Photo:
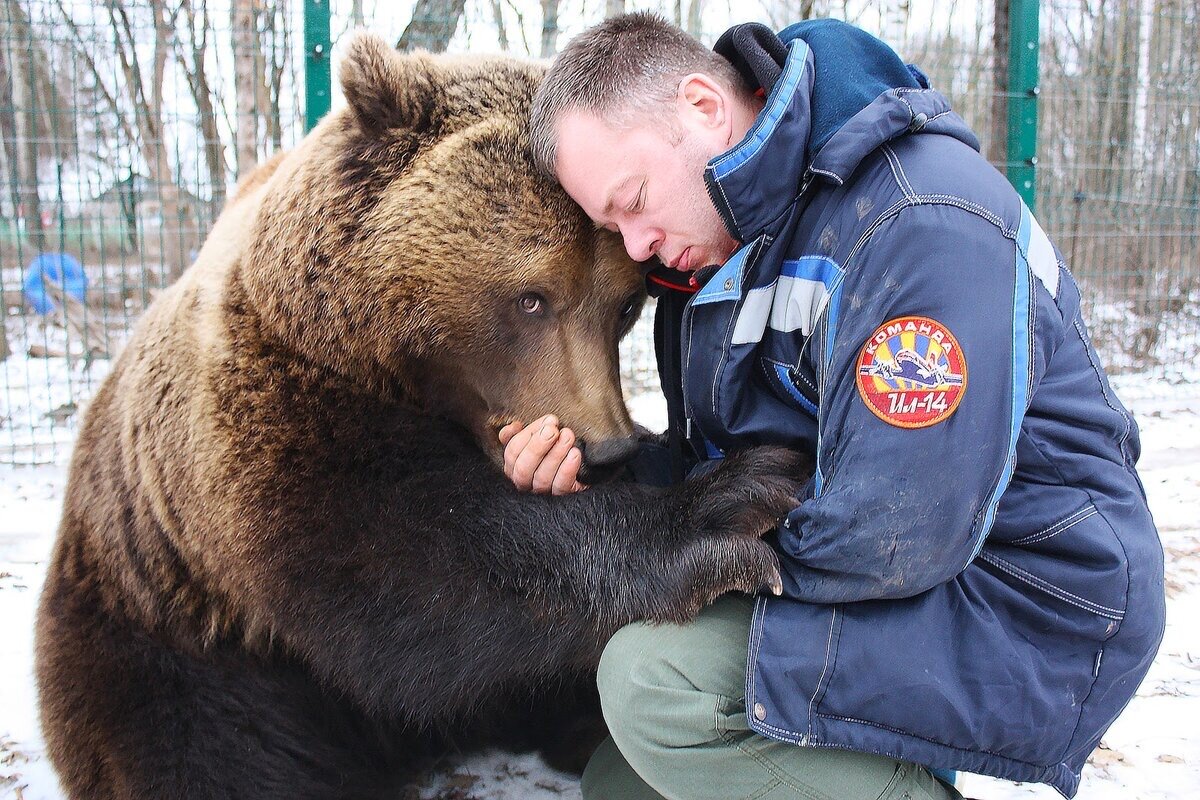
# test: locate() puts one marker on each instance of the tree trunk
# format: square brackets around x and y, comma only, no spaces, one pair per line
[246,82]
[277,30]
[17,31]
[197,78]
[549,28]
[997,146]
[147,100]
[175,245]
[695,18]
[432,25]
[501,28]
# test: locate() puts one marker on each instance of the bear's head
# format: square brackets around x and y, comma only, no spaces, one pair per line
[409,243]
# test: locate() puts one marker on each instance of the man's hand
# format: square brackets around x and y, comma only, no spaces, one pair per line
[541,458]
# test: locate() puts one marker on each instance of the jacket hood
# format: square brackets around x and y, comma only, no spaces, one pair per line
[834,95]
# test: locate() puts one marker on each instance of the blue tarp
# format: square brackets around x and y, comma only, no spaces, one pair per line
[58,268]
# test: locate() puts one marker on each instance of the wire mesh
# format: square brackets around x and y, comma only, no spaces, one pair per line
[124,125]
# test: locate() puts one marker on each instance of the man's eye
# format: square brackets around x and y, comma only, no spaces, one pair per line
[640,201]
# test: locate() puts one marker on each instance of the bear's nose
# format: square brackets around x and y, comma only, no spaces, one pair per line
[602,459]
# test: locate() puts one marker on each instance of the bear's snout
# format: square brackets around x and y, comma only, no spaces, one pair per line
[601,460]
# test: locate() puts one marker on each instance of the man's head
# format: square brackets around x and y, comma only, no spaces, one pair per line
[627,119]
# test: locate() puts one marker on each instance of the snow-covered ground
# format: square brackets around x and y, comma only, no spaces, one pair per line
[1151,753]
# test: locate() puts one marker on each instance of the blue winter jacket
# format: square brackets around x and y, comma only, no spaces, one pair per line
[973,580]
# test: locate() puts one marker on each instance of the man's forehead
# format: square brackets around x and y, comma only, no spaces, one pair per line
[597,162]
[590,162]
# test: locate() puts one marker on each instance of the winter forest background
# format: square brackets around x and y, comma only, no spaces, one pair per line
[124,125]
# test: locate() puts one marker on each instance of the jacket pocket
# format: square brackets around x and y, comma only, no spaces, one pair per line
[1000,660]
[1058,526]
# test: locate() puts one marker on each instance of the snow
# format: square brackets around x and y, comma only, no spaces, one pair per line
[1152,752]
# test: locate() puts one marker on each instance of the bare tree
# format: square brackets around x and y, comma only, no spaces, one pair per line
[246,72]
[143,79]
[695,25]
[278,50]
[501,28]
[997,150]
[432,25]
[192,54]
[25,118]
[549,28]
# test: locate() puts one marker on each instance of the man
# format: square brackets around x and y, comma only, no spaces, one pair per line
[972,580]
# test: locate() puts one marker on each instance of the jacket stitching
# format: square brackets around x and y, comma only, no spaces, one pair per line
[881,726]
[727,340]
[1058,527]
[1031,358]
[898,171]
[1103,644]
[795,371]
[756,629]
[725,197]
[828,649]
[1050,588]
[830,173]
[773,379]
[757,624]
[687,362]
[793,737]
[922,200]
[1104,394]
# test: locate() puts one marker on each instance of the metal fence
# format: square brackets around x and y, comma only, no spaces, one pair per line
[125,123]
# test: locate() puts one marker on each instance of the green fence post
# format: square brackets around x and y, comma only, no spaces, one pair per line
[1022,97]
[316,61]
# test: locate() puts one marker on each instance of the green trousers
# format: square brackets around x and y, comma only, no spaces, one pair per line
[673,697]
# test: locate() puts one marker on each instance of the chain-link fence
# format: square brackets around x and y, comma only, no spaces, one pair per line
[124,125]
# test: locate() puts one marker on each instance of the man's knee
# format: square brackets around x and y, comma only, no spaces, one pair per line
[629,678]
[659,684]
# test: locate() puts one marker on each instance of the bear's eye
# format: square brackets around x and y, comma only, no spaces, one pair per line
[532,303]
[630,305]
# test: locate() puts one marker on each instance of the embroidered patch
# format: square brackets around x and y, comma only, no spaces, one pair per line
[911,372]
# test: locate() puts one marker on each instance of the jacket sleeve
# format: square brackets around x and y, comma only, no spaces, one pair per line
[896,507]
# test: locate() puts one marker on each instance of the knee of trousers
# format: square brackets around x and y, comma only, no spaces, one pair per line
[645,696]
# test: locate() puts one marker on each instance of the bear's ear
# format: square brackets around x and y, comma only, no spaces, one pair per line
[384,88]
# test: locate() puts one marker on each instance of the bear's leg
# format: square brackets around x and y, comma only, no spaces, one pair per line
[127,716]
[562,721]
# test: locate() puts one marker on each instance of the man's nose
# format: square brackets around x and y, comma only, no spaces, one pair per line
[641,242]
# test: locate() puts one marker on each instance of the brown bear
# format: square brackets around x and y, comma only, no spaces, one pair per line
[289,563]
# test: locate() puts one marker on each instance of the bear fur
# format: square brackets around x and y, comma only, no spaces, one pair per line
[289,563]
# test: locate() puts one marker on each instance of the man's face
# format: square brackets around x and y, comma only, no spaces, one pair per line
[647,183]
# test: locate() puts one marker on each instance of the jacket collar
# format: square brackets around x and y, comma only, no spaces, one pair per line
[755,182]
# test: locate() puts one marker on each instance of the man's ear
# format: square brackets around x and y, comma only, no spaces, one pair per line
[702,102]
[386,89]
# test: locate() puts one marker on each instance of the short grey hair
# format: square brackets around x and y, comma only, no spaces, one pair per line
[626,69]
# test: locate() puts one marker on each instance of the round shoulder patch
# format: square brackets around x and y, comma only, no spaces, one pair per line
[911,373]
